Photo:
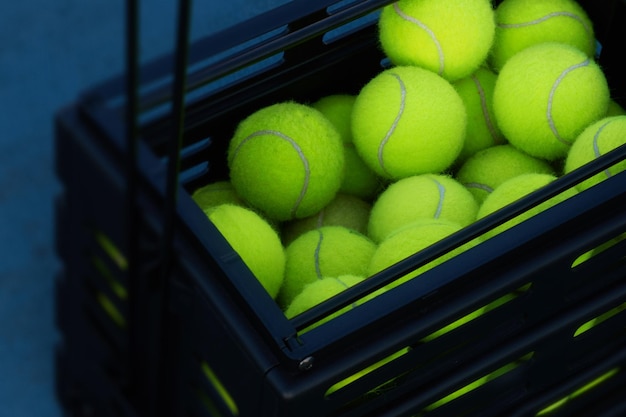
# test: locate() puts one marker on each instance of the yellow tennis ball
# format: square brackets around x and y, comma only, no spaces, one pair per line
[449,37]
[487,169]
[345,210]
[524,23]
[329,251]
[286,160]
[546,95]
[596,140]
[426,196]
[254,240]
[338,109]
[359,180]
[319,291]
[409,240]
[514,189]
[408,121]
[615,109]
[476,91]
[216,193]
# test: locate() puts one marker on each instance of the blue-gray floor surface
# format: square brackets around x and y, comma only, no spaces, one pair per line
[51,51]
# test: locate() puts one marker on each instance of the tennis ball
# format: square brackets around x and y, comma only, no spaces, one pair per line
[345,210]
[409,240]
[596,140]
[487,169]
[216,193]
[329,251]
[615,109]
[524,23]
[359,180]
[546,95]
[408,121]
[476,91]
[514,189]
[449,37]
[426,196]
[318,291]
[286,160]
[338,109]
[254,240]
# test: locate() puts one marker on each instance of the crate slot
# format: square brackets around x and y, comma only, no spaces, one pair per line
[212,395]
[590,254]
[103,271]
[111,249]
[478,312]
[579,392]
[589,325]
[220,388]
[105,316]
[108,298]
[477,383]
[363,372]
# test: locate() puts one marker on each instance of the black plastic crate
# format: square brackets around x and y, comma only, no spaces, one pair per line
[205,339]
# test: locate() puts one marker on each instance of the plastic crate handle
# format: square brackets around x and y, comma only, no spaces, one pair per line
[156,395]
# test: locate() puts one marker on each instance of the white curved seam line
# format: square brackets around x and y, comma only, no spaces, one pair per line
[596,146]
[442,193]
[551,97]
[394,125]
[429,31]
[478,186]
[316,257]
[574,16]
[483,105]
[305,162]
[320,218]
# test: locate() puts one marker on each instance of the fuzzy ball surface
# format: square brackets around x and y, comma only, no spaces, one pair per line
[546,95]
[409,240]
[287,160]
[426,196]
[328,251]
[514,189]
[449,37]
[487,169]
[408,121]
[345,210]
[596,140]
[476,91]
[254,240]
[524,23]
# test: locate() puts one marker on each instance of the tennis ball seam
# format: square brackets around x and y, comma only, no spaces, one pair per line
[442,193]
[395,123]
[479,186]
[346,286]
[556,85]
[316,255]
[483,105]
[547,17]
[297,148]
[596,146]
[431,34]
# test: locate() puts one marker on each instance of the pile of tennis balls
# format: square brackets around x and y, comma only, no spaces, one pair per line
[481,106]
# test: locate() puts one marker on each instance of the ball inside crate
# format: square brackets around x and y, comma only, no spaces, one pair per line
[309,84]
[320,85]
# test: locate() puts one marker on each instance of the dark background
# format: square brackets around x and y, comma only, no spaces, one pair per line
[50,51]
